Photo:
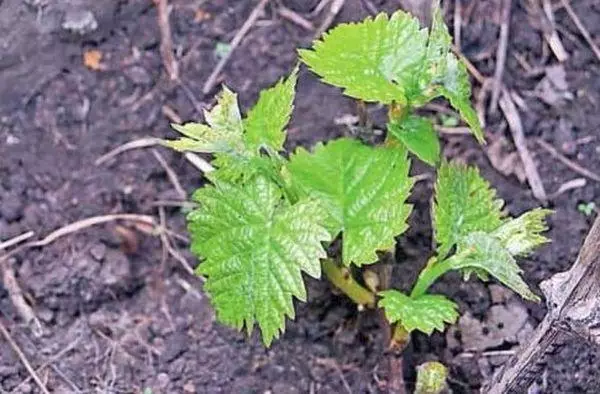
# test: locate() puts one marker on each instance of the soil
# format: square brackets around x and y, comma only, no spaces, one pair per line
[125,320]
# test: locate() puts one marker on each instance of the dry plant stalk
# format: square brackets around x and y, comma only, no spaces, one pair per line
[573,300]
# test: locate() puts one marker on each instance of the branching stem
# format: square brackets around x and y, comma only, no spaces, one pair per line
[343,280]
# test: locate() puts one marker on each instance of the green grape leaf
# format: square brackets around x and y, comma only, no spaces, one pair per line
[418,135]
[464,202]
[456,87]
[373,60]
[255,245]
[362,188]
[425,313]
[222,134]
[438,46]
[266,121]
[521,235]
[481,251]
[237,144]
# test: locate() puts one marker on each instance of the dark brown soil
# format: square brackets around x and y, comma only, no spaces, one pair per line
[116,322]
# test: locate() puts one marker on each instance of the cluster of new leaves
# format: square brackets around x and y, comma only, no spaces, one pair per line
[265,219]
[467,217]
[394,61]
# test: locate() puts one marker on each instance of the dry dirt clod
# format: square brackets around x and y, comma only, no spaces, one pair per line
[80,22]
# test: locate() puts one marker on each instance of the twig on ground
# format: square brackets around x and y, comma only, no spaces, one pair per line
[212,79]
[89,222]
[370,7]
[569,185]
[198,162]
[584,32]
[333,364]
[171,114]
[170,174]
[516,127]
[167,243]
[78,226]
[480,101]
[551,36]
[16,240]
[470,67]
[166,41]
[198,106]
[51,360]
[23,358]
[457,23]
[334,9]
[569,163]
[16,297]
[500,56]
[293,17]
[453,130]
[135,144]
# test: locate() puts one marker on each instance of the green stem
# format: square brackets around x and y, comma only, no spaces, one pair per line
[430,274]
[343,280]
[400,338]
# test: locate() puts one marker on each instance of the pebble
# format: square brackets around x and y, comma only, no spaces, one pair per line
[281,387]
[11,207]
[79,21]
[162,380]
[189,388]
[138,75]
[98,251]
[116,268]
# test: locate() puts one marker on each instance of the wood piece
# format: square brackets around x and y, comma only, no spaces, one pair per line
[235,42]
[551,36]
[295,18]
[166,40]
[581,27]
[573,301]
[334,9]
[135,144]
[16,240]
[500,56]
[516,127]
[569,163]
[457,23]
[23,359]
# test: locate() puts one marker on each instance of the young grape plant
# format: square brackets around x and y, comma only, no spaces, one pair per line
[266,218]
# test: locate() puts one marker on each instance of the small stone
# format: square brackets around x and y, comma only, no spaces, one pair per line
[281,387]
[116,268]
[98,251]
[500,294]
[189,388]
[79,22]
[138,75]
[26,388]
[162,380]
[11,207]
[46,315]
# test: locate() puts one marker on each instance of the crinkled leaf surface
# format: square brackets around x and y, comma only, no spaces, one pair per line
[372,60]
[255,247]
[482,251]
[521,235]
[237,144]
[418,135]
[464,203]
[456,87]
[222,133]
[363,189]
[266,121]
[425,313]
